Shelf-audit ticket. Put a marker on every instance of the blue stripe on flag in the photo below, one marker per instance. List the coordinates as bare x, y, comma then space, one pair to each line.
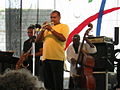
99, 21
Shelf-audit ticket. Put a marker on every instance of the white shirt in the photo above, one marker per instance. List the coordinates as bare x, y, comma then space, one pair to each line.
71, 54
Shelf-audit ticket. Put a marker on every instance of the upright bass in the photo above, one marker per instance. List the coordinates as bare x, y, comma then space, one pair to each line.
84, 67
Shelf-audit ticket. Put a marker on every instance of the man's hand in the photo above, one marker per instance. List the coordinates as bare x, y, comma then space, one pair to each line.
73, 61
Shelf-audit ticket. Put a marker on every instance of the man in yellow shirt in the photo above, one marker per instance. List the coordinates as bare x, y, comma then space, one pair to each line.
54, 38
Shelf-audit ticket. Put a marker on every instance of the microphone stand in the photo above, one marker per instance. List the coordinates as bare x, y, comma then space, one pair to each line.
35, 31
33, 52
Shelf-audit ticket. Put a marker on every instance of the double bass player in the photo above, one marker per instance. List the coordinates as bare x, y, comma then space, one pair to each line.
72, 56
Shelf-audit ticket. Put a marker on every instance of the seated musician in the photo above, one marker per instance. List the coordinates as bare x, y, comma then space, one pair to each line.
28, 55
72, 55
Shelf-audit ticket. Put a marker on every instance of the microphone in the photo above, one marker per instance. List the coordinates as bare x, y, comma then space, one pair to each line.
38, 26
35, 26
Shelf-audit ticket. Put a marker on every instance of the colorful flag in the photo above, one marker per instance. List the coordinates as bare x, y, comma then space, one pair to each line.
86, 22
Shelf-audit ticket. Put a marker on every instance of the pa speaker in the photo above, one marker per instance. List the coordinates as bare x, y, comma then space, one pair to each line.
103, 57
105, 80
75, 89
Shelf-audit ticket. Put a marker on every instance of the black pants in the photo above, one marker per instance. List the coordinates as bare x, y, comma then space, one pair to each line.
71, 84
53, 74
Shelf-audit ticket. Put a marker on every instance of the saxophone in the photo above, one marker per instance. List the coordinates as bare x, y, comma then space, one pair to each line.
23, 57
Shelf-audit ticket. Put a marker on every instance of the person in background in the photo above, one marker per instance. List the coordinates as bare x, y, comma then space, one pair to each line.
21, 79
72, 55
54, 38
28, 55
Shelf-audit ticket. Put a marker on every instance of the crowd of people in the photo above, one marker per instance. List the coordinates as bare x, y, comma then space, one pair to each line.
49, 58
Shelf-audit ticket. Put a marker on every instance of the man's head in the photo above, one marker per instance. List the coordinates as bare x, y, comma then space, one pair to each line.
20, 79
30, 31
76, 38
55, 17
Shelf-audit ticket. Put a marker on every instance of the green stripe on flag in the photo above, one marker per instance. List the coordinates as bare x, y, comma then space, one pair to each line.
90, 1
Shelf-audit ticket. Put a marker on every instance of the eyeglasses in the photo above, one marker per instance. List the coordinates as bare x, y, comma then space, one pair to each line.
52, 17
29, 32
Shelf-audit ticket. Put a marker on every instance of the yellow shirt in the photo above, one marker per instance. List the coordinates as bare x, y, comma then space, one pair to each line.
52, 47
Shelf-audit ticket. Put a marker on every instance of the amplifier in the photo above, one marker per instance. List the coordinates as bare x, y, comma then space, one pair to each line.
105, 80
100, 39
104, 57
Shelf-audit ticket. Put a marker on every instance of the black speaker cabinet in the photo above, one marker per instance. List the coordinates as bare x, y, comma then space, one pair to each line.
103, 57
75, 89
105, 80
